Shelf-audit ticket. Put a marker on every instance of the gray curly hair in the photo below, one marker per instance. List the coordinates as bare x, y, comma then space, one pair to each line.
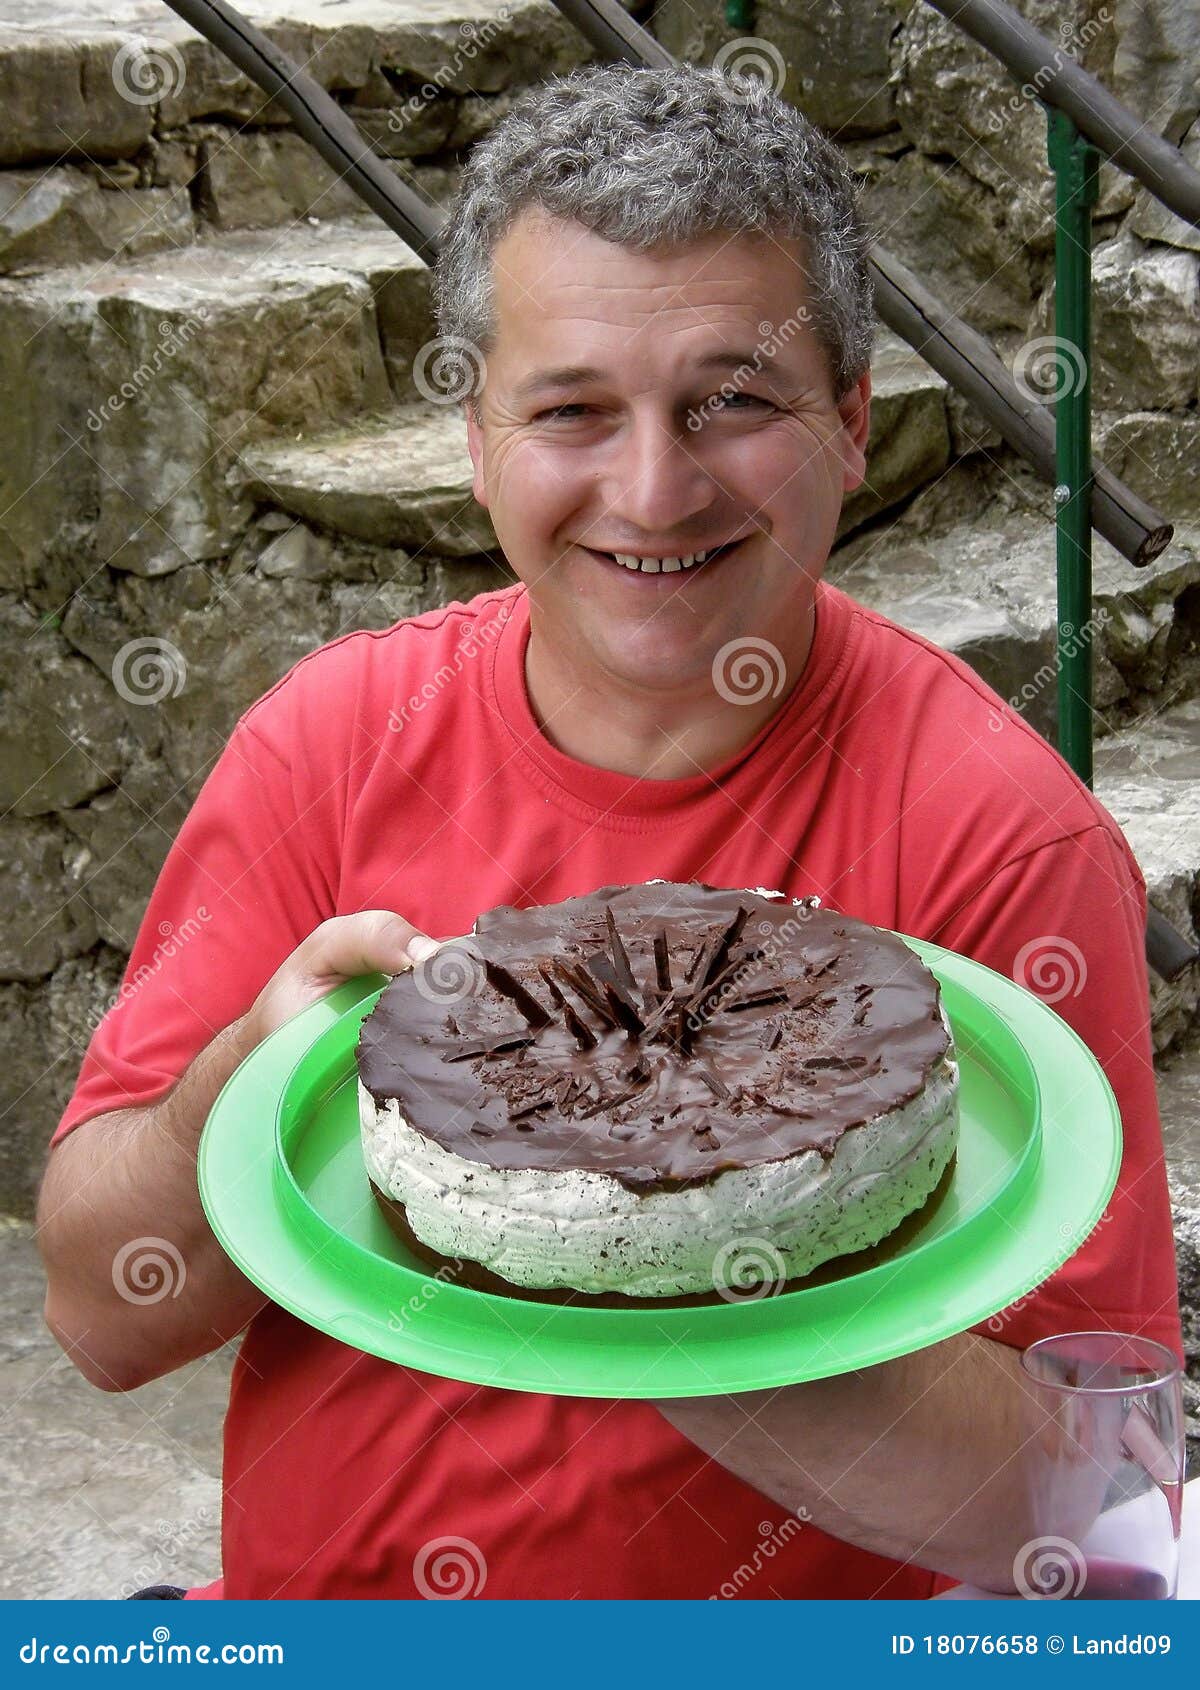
660, 158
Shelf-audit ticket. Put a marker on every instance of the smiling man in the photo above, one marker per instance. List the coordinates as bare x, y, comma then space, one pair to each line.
655, 523
661, 281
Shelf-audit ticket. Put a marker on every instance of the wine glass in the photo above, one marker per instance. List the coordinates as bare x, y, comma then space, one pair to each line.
1103, 1462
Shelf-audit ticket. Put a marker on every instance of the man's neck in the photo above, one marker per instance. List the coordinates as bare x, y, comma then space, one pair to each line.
642, 733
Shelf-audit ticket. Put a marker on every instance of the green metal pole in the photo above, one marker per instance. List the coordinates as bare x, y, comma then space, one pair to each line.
1075, 165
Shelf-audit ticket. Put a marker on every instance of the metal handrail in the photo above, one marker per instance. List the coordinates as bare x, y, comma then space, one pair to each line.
1098, 115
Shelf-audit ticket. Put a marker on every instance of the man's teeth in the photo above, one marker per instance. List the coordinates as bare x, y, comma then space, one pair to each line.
664, 565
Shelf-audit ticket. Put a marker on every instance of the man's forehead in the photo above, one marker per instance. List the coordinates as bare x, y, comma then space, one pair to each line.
722, 327
541, 249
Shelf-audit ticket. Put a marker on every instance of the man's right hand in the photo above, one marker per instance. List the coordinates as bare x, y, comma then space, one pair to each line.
374, 941
128, 1178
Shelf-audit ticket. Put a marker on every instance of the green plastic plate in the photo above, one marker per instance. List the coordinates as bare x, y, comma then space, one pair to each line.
286, 1192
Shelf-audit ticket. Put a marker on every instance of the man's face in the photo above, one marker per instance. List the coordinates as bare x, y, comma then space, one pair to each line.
580, 467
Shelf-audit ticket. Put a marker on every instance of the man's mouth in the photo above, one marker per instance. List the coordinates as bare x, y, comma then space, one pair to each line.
671, 567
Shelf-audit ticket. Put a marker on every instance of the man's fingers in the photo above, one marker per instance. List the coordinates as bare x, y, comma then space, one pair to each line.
373, 941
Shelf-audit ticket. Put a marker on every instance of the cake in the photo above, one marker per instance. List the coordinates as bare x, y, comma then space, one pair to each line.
656, 1090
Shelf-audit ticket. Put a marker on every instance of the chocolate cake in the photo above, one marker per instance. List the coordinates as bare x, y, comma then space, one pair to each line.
656, 1090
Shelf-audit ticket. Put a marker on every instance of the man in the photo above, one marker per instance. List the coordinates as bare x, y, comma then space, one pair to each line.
662, 283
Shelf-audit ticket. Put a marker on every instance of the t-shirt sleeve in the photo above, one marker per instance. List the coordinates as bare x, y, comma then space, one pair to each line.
242, 885
1068, 921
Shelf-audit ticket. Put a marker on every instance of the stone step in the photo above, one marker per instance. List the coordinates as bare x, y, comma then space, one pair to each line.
133, 385
117, 79
405, 481
971, 565
1148, 777
122, 131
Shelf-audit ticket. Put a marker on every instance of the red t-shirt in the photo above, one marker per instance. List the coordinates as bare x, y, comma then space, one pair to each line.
404, 769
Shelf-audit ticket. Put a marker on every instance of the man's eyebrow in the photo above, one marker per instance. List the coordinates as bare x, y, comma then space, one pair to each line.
575, 375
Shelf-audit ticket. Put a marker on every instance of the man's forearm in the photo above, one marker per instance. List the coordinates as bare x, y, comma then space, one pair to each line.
919, 1459
118, 1189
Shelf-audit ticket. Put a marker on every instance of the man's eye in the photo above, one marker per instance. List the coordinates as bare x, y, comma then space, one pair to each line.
558, 411
721, 402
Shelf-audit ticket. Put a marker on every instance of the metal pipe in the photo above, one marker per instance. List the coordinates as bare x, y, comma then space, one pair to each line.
962, 356
1056, 80
321, 121
1075, 163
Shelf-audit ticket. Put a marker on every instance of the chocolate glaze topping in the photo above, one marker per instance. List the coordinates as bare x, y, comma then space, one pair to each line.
660, 1034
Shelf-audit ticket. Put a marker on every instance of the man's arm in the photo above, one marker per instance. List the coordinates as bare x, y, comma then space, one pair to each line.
130, 1176
919, 1459
123, 1185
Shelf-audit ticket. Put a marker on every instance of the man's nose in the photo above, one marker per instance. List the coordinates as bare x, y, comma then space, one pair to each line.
658, 483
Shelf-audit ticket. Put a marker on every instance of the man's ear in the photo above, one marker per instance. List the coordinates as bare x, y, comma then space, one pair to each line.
475, 447
855, 412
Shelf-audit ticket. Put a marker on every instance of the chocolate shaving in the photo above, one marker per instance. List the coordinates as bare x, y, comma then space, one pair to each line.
580, 983
614, 992
662, 961
625, 1013
530, 1108
518, 1042
620, 958
580, 1031
511, 987
716, 1086
759, 1000
774, 1036
725, 942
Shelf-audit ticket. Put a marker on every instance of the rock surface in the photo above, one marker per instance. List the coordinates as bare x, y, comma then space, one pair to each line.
107, 1494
